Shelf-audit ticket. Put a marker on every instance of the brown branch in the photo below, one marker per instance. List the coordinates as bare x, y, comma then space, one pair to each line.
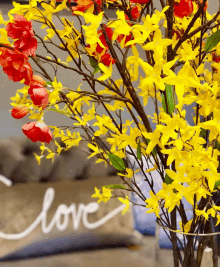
187, 36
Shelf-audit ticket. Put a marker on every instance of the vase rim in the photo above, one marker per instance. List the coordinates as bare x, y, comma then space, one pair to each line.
181, 232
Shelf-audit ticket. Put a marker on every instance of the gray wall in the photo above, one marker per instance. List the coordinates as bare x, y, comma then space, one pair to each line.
12, 127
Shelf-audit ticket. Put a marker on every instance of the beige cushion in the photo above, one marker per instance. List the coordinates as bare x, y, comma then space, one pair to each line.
10, 156
21, 204
28, 168
18, 163
74, 164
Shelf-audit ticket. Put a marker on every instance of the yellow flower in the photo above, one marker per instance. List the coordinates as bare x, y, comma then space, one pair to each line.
158, 44
154, 140
120, 25
95, 148
107, 71
153, 75
105, 196
148, 27
97, 193
186, 226
50, 34
51, 155
202, 213
126, 202
129, 173
152, 204
187, 53
38, 158
182, 79
152, 169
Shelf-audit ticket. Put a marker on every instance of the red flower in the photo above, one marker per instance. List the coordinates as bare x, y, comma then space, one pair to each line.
15, 65
83, 5
135, 13
106, 59
37, 131
40, 97
19, 111
100, 49
183, 8
127, 38
39, 94
109, 33
38, 79
216, 59
142, 2
22, 30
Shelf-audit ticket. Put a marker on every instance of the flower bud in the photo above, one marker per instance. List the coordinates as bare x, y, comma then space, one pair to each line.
19, 111
38, 79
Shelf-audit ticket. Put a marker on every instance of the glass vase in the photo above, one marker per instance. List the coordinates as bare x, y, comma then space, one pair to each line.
193, 250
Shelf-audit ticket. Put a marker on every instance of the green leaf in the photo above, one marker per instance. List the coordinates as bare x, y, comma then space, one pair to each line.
66, 113
217, 145
203, 132
168, 180
92, 62
154, 151
217, 184
115, 186
170, 99
117, 162
49, 83
96, 70
212, 41
94, 65
139, 150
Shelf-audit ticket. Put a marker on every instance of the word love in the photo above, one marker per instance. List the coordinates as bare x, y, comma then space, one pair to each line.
63, 213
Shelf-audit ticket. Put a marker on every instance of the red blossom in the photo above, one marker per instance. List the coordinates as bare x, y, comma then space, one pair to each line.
216, 59
15, 65
127, 38
19, 111
39, 94
40, 97
99, 49
33, 85
38, 79
142, 2
83, 5
135, 13
109, 33
106, 59
37, 131
183, 9
22, 30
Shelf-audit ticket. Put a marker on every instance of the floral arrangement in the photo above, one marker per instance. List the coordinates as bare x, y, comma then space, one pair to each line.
185, 156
